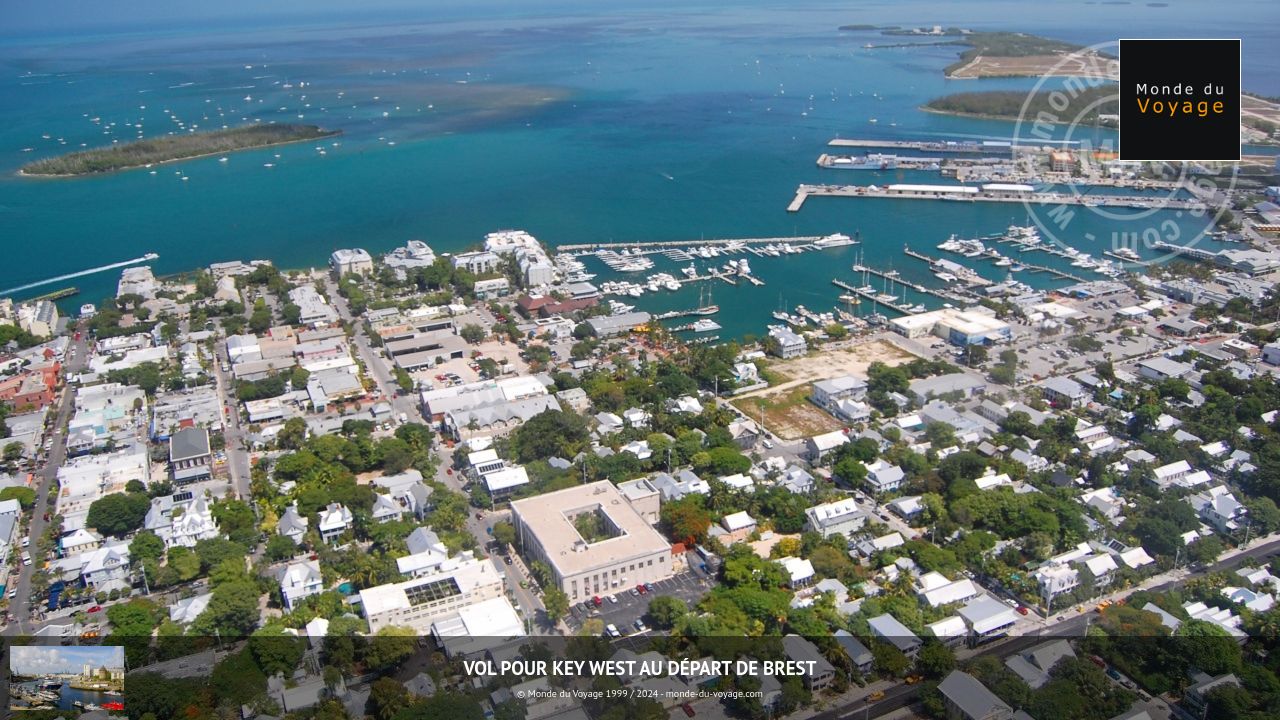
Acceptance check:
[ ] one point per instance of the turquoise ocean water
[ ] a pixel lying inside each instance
(580, 123)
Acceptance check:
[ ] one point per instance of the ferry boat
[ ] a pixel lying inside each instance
(834, 240)
(1127, 254)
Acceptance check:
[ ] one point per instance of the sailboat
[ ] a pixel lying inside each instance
(704, 308)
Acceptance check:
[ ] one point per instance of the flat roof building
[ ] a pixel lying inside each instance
(420, 602)
(619, 550)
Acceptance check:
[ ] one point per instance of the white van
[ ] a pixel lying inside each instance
(612, 630)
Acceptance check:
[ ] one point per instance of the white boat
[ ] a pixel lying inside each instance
(945, 277)
(1004, 262)
(743, 267)
(672, 285)
(834, 240)
(705, 325)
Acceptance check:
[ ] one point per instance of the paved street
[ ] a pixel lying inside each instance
(20, 605)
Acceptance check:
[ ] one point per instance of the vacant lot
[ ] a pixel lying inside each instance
(787, 410)
(1073, 64)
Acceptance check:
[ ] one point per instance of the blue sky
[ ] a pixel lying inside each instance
(37, 660)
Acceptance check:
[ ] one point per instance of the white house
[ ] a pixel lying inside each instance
(334, 520)
(298, 581)
(883, 477)
(842, 517)
(292, 525)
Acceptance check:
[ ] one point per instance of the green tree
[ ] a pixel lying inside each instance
(936, 660)
(556, 603)
(25, 496)
(388, 698)
(276, 651)
(389, 647)
(472, 333)
(504, 532)
(118, 513)
(146, 545)
(280, 547)
(665, 611)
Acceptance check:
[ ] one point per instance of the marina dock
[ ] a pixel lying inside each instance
(1031, 267)
(948, 295)
(967, 193)
(902, 308)
(988, 147)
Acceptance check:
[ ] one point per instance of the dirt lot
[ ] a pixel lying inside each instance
(1084, 65)
(787, 410)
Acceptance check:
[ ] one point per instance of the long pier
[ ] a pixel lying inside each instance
(1004, 147)
(891, 162)
(804, 192)
(652, 246)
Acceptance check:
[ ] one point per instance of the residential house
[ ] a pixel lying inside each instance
(299, 581)
(987, 618)
(788, 344)
(335, 519)
(386, 509)
(887, 628)
(828, 393)
(965, 698)
(842, 517)
(819, 447)
(1219, 508)
(858, 653)
(1063, 392)
(1035, 664)
(883, 477)
(822, 673)
(181, 519)
(292, 524)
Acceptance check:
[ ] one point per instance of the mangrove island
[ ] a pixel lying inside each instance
(169, 148)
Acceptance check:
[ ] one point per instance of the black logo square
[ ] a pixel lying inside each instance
(1180, 100)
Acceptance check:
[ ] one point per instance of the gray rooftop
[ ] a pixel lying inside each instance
(972, 697)
(188, 443)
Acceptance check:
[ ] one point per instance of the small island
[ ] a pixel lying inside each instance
(1008, 105)
(170, 148)
(1013, 54)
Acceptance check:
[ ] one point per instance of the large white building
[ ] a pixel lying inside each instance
(959, 327)
(355, 260)
(629, 553)
(420, 602)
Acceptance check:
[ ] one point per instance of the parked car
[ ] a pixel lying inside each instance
(613, 599)
(95, 608)
(612, 630)
(688, 710)
(598, 602)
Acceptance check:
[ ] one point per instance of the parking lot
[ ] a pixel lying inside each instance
(631, 605)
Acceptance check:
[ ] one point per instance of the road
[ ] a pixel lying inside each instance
(232, 432)
(20, 605)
